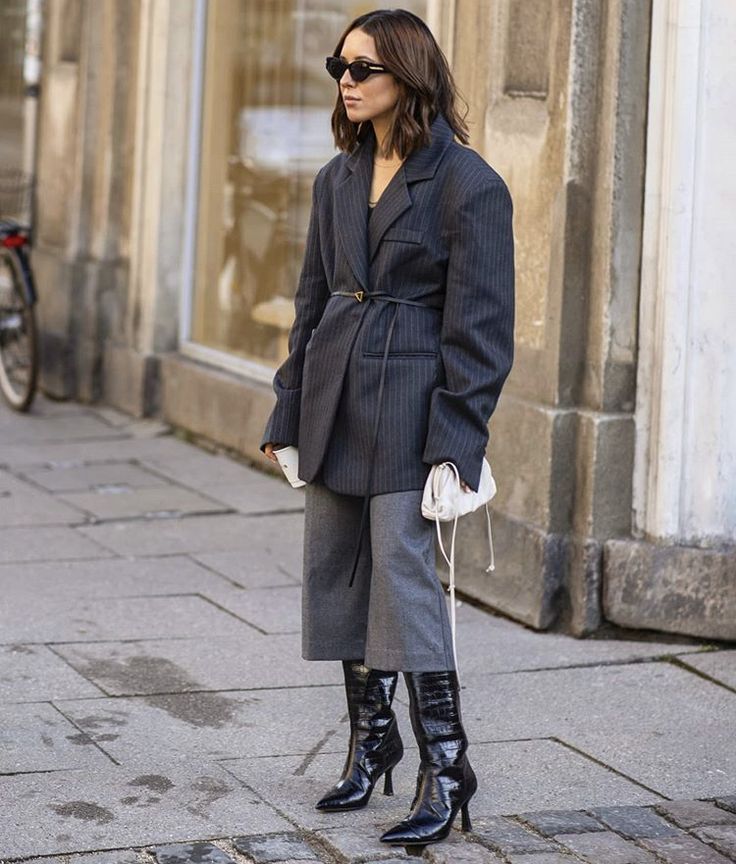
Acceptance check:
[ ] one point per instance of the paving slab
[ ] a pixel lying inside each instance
(720, 665)
(110, 474)
(684, 850)
(456, 850)
(489, 644)
(33, 673)
(23, 504)
(46, 543)
(119, 502)
(272, 610)
(512, 774)
(605, 847)
(212, 725)
(121, 856)
(654, 722)
(86, 619)
(258, 493)
(146, 451)
(722, 837)
(38, 738)
(76, 426)
(272, 568)
(195, 468)
(247, 661)
(189, 535)
(110, 577)
(136, 805)
(727, 801)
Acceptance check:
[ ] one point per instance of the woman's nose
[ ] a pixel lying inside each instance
(346, 78)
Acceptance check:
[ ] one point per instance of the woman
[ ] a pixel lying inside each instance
(402, 341)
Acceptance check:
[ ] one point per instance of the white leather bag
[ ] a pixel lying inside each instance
(444, 500)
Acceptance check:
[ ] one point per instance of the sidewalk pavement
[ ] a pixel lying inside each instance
(155, 706)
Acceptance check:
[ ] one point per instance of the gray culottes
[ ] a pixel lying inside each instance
(395, 616)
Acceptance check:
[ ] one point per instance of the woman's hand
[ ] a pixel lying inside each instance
(464, 486)
(268, 451)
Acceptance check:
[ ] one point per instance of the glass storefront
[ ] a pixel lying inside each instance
(267, 102)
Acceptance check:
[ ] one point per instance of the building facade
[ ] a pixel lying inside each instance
(178, 140)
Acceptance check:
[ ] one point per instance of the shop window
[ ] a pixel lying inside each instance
(265, 132)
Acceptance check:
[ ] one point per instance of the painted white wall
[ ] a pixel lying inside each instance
(685, 465)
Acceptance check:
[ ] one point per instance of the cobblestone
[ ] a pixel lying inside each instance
(727, 801)
(551, 822)
(191, 853)
(723, 837)
(634, 822)
(506, 836)
(695, 814)
(605, 847)
(265, 848)
(684, 850)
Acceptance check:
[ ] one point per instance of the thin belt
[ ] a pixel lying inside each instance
(360, 297)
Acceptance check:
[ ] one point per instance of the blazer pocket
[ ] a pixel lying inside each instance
(404, 235)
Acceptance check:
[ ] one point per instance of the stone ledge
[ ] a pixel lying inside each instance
(677, 589)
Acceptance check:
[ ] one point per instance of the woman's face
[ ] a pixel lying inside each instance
(376, 96)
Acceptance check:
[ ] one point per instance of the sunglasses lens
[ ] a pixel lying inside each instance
(336, 67)
(359, 71)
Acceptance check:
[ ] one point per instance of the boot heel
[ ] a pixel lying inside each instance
(466, 826)
(388, 785)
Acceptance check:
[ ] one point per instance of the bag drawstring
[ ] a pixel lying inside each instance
(451, 559)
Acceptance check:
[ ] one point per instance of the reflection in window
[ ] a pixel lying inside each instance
(265, 133)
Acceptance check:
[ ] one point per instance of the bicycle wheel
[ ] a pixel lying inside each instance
(18, 336)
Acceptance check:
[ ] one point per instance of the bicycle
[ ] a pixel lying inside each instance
(19, 355)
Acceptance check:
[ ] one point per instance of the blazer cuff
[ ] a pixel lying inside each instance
(468, 464)
(283, 424)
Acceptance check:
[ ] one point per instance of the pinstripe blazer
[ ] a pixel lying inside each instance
(440, 234)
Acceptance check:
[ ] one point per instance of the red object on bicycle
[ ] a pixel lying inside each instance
(13, 240)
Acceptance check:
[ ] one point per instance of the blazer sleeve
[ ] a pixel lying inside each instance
(477, 338)
(311, 297)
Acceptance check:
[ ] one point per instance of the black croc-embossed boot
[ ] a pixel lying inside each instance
(375, 745)
(446, 782)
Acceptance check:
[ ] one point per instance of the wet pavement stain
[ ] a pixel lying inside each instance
(83, 810)
(93, 721)
(202, 710)
(19, 649)
(80, 738)
(211, 789)
(154, 782)
(137, 675)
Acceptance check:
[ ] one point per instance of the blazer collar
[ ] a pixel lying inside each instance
(360, 240)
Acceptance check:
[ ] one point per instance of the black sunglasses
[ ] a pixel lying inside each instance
(359, 69)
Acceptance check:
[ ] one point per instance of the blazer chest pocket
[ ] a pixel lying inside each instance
(403, 235)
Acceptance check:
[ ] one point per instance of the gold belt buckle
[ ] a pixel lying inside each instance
(359, 296)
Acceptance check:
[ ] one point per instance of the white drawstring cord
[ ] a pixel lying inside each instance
(451, 560)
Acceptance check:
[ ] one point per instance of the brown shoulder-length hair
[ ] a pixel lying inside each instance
(407, 47)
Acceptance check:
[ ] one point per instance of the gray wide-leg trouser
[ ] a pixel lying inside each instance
(395, 616)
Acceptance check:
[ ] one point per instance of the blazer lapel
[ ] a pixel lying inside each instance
(351, 204)
(396, 198)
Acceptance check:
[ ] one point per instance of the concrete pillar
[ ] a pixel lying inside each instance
(680, 572)
(558, 100)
